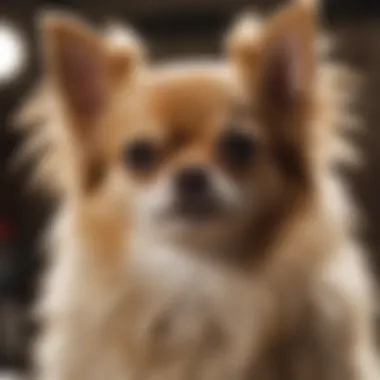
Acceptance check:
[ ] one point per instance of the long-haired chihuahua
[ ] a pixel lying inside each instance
(203, 232)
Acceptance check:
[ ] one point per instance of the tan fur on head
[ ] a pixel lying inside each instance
(37, 114)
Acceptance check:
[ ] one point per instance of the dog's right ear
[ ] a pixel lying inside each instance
(277, 58)
(84, 67)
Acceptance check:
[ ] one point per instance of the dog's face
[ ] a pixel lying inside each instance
(196, 158)
(193, 151)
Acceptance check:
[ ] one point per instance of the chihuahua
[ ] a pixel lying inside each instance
(202, 231)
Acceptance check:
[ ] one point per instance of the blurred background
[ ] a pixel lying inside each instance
(172, 28)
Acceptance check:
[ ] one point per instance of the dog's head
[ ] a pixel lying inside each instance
(197, 151)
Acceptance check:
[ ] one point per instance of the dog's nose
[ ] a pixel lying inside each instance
(192, 182)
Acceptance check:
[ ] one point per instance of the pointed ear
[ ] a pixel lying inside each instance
(278, 60)
(84, 67)
(287, 59)
(277, 64)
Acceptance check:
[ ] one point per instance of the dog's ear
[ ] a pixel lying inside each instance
(84, 67)
(85, 72)
(278, 57)
(277, 64)
(287, 60)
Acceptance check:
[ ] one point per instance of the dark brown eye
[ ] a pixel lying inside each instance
(237, 148)
(141, 155)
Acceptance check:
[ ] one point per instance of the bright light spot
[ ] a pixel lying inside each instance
(12, 52)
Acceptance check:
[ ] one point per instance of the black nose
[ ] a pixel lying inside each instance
(192, 182)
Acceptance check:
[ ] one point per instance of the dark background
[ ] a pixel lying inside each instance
(171, 28)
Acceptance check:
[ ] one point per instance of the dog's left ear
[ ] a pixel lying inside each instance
(86, 71)
(277, 58)
(85, 67)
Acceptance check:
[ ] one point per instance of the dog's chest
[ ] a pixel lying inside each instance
(177, 287)
(192, 310)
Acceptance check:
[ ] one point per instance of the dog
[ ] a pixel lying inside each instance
(202, 232)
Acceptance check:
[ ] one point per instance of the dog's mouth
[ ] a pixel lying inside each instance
(202, 210)
(198, 211)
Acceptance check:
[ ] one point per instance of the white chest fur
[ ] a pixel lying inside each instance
(196, 315)
(171, 315)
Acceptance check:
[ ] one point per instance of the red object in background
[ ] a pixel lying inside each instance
(6, 230)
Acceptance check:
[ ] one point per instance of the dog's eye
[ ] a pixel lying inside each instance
(237, 148)
(141, 155)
